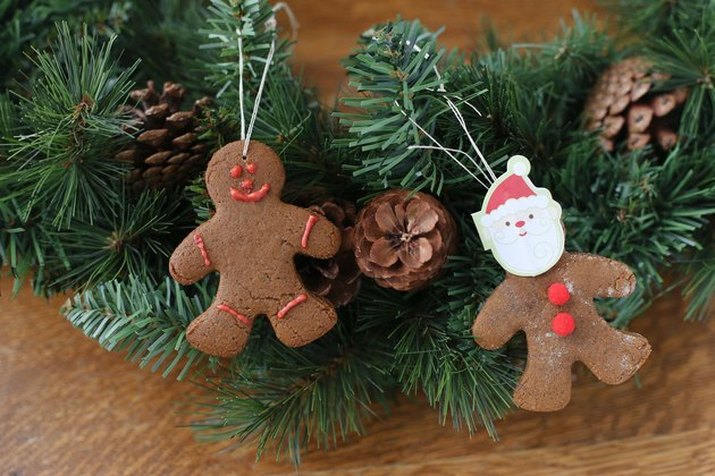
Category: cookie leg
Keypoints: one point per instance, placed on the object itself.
(614, 356)
(545, 385)
(302, 319)
(221, 330)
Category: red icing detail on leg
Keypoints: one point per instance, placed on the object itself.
(558, 294)
(312, 219)
(241, 317)
(236, 171)
(252, 167)
(298, 300)
(563, 324)
(199, 242)
(256, 196)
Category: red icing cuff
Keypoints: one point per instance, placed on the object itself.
(241, 317)
(199, 242)
(298, 300)
(312, 219)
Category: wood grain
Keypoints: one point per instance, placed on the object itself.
(67, 407)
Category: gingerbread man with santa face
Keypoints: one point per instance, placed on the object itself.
(548, 293)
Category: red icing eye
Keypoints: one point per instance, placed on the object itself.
(236, 171)
(252, 167)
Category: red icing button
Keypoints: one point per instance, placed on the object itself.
(563, 324)
(558, 294)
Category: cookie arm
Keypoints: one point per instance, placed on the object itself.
(314, 235)
(609, 278)
(191, 260)
(500, 318)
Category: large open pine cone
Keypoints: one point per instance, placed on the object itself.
(623, 107)
(338, 278)
(166, 150)
(402, 239)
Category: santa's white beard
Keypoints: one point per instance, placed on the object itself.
(531, 255)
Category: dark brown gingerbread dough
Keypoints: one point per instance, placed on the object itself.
(251, 241)
(524, 303)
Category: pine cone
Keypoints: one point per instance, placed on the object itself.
(623, 107)
(338, 278)
(166, 150)
(402, 240)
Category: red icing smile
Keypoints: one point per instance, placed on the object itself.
(256, 196)
(523, 233)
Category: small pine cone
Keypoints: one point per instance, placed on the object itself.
(338, 278)
(166, 150)
(402, 239)
(623, 107)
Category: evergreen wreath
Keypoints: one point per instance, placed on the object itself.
(70, 221)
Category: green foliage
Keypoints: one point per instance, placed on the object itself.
(135, 239)
(24, 245)
(290, 398)
(250, 21)
(394, 70)
(146, 321)
(26, 23)
(73, 113)
(700, 286)
(165, 35)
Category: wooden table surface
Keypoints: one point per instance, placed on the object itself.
(67, 407)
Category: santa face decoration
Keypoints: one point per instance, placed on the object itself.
(520, 223)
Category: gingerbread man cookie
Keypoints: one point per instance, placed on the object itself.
(549, 294)
(556, 312)
(251, 241)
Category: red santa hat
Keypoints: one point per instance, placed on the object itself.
(512, 192)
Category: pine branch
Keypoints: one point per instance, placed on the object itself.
(166, 35)
(146, 321)
(688, 55)
(291, 398)
(699, 290)
(24, 245)
(74, 126)
(434, 353)
(250, 20)
(135, 240)
(394, 73)
(26, 23)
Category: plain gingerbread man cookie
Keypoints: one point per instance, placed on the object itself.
(556, 312)
(251, 241)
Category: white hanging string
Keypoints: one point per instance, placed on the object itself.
(294, 25)
(240, 83)
(463, 123)
(454, 151)
(257, 102)
(487, 172)
(441, 147)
